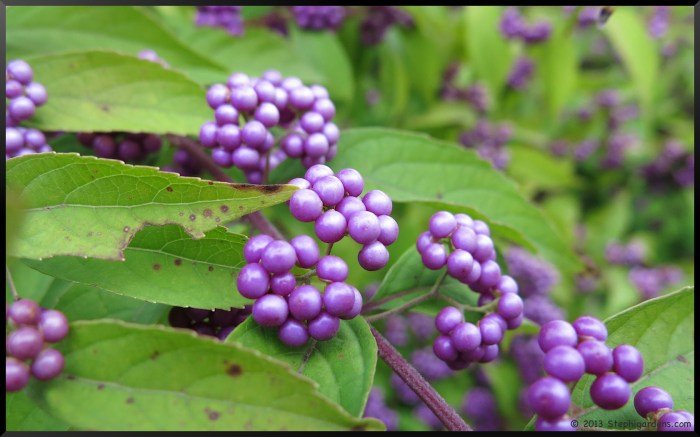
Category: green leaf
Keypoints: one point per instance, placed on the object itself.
(607, 224)
(442, 115)
(36, 30)
(662, 329)
(84, 206)
(535, 168)
(324, 52)
(559, 70)
(23, 415)
(488, 51)
(163, 264)
(13, 219)
(397, 163)
(168, 379)
(394, 84)
(343, 367)
(107, 91)
(639, 53)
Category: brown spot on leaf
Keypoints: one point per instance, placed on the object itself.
(211, 268)
(207, 212)
(127, 229)
(169, 189)
(100, 386)
(178, 261)
(181, 214)
(129, 400)
(224, 208)
(217, 219)
(438, 195)
(210, 182)
(192, 217)
(682, 359)
(105, 107)
(156, 266)
(155, 355)
(234, 370)
(70, 377)
(213, 415)
(90, 234)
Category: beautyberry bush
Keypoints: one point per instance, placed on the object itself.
(349, 218)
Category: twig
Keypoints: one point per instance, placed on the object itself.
(193, 148)
(11, 283)
(307, 355)
(377, 303)
(442, 410)
(432, 293)
(329, 248)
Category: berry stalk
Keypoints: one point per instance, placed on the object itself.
(447, 415)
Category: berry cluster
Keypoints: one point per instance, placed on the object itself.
(489, 140)
(32, 327)
(472, 261)
(479, 405)
(475, 95)
(570, 352)
(629, 254)
(659, 22)
(521, 73)
(673, 168)
(300, 311)
(22, 97)
(212, 323)
(184, 164)
(319, 17)
(378, 20)
(333, 202)
(514, 26)
(247, 108)
(376, 407)
(657, 405)
(587, 17)
(124, 146)
(650, 281)
(225, 17)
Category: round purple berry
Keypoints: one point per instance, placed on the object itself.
(349, 206)
(459, 264)
(378, 202)
(388, 230)
(507, 285)
(270, 310)
(244, 98)
(24, 343)
(229, 137)
(16, 374)
(338, 298)
(253, 281)
(675, 421)
(305, 205)
(278, 257)
(610, 391)
(442, 224)
(481, 228)
(556, 333)
(509, 306)
(559, 424)
(53, 325)
(447, 319)
(596, 356)
(306, 250)
(549, 398)
(329, 189)
(267, 114)
(293, 333)
(217, 95)
(331, 226)
(490, 274)
(373, 256)
(465, 337)
(305, 302)
(564, 363)
(48, 364)
(363, 227)
(352, 181)
(628, 362)
(20, 71)
(208, 134)
(253, 249)
(464, 238)
(300, 182)
(444, 348)
(434, 256)
(332, 268)
(36, 93)
(226, 115)
(356, 307)
(652, 399)
(283, 284)
(424, 240)
(324, 327)
(24, 312)
(316, 172)
(491, 331)
(587, 326)
(221, 157)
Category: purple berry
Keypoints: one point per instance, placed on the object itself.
(306, 250)
(556, 333)
(490, 274)
(363, 227)
(24, 343)
(301, 98)
(36, 93)
(208, 134)
(610, 391)
(316, 145)
(484, 248)
(20, 71)
(293, 333)
(597, 356)
(305, 302)
(253, 249)
(373, 256)
(332, 268)
(444, 348)
(324, 327)
(305, 205)
(48, 364)
(253, 281)
(53, 325)
(316, 172)
(459, 264)
(465, 337)
(244, 98)
(226, 115)
(330, 227)
(329, 189)
(24, 312)
(510, 306)
(442, 224)
(278, 257)
(490, 353)
(549, 398)
(388, 230)
(217, 95)
(338, 298)
(424, 240)
(507, 285)
(481, 228)
(564, 363)
(270, 310)
(675, 421)
(267, 114)
(378, 202)
(559, 424)
(221, 157)
(356, 307)
(300, 182)
(21, 108)
(293, 145)
(434, 256)
(312, 122)
(332, 133)
(16, 374)
(447, 319)
(283, 284)
(254, 134)
(652, 399)
(628, 362)
(225, 332)
(229, 137)
(349, 206)
(491, 331)
(464, 238)
(587, 326)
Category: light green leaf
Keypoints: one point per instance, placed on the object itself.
(442, 115)
(84, 206)
(488, 51)
(38, 30)
(107, 91)
(559, 70)
(535, 168)
(607, 224)
(163, 264)
(662, 329)
(639, 53)
(23, 415)
(396, 162)
(394, 84)
(169, 379)
(343, 367)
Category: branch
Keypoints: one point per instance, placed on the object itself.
(413, 302)
(193, 148)
(447, 415)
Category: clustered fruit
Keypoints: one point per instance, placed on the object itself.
(333, 202)
(514, 26)
(299, 311)
(225, 17)
(22, 97)
(572, 350)
(489, 141)
(213, 323)
(319, 17)
(657, 405)
(246, 111)
(470, 258)
(129, 147)
(31, 328)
